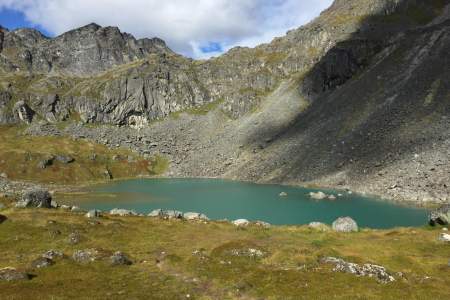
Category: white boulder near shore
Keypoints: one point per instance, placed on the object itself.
(344, 224)
(241, 222)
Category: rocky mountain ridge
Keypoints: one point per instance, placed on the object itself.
(351, 100)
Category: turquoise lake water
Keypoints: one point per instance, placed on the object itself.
(222, 199)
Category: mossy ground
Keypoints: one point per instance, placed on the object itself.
(174, 258)
(20, 155)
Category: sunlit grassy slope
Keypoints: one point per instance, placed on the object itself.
(21, 154)
(178, 260)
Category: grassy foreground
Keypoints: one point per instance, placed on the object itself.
(20, 156)
(174, 259)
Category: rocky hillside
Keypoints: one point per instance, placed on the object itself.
(359, 98)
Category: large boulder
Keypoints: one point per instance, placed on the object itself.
(35, 198)
(11, 274)
(440, 216)
(344, 224)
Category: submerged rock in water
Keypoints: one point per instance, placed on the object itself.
(318, 195)
(35, 198)
(283, 194)
(344, 224)
(440, 216)
(369, 270)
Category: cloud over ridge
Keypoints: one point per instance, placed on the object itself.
(197, 28)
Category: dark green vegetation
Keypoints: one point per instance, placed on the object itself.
(20, 157)
(173, 259)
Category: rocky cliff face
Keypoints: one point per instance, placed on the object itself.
(340, 101)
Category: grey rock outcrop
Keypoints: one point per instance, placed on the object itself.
(369, 270)
(440, 215)
(35, 198)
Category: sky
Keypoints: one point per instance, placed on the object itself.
(195, 28)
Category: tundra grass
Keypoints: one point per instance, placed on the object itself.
(174, 259)
(20, 155)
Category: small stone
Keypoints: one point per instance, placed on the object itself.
(173, 214)
(319, 226)
(122, 212)
(53, 254)
(46, 162)
(74, 238)
(93, 214)
(11, 274)
(118, 258)
(241, 222)
(194, 216)
(283, 194)
(42, 262)
(156, 213)
(444, 237)
(331, 197)
(3, 219)
(64, 159)
(65, 207)
(344, 224)
(85, 256)
(76, 209)
(3, 175)
(263, 224)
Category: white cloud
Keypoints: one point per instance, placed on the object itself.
(186, 25)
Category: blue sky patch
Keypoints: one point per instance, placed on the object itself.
(212, 47)
(13, 19)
